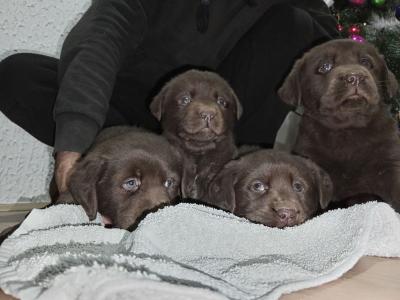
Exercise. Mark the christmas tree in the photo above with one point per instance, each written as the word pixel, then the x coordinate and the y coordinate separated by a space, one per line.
pixel 378 22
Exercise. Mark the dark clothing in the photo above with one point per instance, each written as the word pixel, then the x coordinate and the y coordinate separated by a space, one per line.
pixel 115 58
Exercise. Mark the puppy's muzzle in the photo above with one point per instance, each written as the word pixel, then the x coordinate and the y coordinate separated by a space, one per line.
pixel 357 87
pixel 287 216
pixel 203 121
pixel 207 114
pixel 286 211
pixel 354 79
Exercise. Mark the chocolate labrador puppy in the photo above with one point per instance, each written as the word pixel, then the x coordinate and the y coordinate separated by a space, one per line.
pixel 197 110
pixel 346 126
pixel 271 187
pixel 126 173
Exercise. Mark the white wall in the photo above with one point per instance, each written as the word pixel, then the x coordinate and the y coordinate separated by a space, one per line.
pixel 30 26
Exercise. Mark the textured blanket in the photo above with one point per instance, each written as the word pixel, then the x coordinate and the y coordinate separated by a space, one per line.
pixel 188 251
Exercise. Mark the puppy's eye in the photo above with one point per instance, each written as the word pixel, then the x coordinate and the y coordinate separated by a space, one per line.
pixel 298 187
pixel 325 68
pixel 131 184
pixel 366 62
pixel 221 101
pixel 169 183
pixel 259 187
pixel 186 99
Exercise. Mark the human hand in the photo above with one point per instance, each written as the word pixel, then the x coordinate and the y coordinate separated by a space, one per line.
pixel 65 161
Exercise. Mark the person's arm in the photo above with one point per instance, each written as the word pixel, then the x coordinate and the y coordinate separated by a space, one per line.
pixel 321 13
pixel 90 59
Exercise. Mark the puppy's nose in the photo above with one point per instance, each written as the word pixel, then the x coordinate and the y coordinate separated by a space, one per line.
pixel 207 115
pixel 354 78
pixel 286 214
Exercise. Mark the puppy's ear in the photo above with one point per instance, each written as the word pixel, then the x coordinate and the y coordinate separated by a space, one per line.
pixel 239 108
pixel 83 184
pixel 156 106
pixel 392 85
pixel 290 91
pixel 323 182
pixel 221 191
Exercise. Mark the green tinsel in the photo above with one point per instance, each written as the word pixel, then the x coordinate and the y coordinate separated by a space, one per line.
pixel 387 40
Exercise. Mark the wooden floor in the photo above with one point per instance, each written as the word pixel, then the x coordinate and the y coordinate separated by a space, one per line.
pixel 372 278
pixel 8 219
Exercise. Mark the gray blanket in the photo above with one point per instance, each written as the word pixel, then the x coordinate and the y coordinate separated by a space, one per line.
pixel 188 252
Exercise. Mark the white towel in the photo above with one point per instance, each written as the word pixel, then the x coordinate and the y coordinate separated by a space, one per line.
pixel 188 251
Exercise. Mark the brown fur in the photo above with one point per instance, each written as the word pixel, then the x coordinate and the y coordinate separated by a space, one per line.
pixel 346 127
pixel 295 188
pixel 100 180
pixel 197 110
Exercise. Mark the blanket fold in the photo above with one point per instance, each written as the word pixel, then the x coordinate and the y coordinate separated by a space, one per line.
pixel 188 251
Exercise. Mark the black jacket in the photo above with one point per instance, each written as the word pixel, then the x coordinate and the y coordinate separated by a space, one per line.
pixel 147 38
